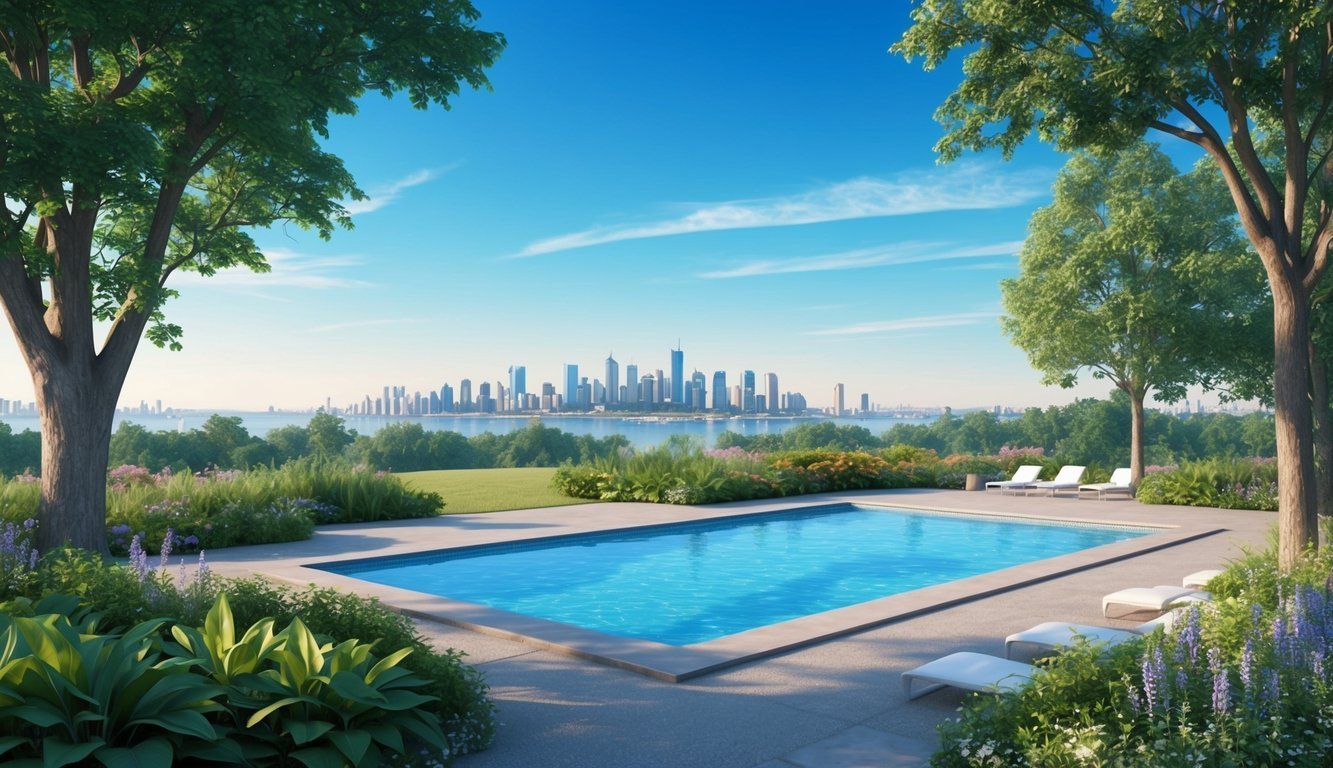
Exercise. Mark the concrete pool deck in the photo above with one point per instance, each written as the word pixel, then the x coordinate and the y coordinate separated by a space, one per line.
pixel 837 702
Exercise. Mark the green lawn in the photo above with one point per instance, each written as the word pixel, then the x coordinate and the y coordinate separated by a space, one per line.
pixel 490 490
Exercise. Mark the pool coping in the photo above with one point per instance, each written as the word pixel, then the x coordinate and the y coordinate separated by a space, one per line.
pixel 680 663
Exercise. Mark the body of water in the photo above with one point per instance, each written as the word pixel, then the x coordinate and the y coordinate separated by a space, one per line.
pixel 642 432
pixel 688 583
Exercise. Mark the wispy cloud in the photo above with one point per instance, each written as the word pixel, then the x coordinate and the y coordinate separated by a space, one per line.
pixel 288 269
pixel 364 324
pixel 863 258
pixel 923 322
pixel 382 196
pixel 954 188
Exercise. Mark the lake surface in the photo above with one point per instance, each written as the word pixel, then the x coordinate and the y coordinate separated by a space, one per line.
pixel 642 433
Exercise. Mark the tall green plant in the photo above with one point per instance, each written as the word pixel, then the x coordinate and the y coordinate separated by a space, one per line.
pixel 66 696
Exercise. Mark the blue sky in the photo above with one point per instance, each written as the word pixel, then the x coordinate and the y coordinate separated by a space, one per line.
pixel 755 181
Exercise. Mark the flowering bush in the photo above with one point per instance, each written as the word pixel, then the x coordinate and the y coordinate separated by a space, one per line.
pixel 1226 483
pixel 18 558
pixel 1245 680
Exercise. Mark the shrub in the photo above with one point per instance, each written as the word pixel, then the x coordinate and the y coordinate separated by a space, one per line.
pixel 1244 680
pixel 468 716
pixel 1227 483
pixel 126 594
pixel 67 695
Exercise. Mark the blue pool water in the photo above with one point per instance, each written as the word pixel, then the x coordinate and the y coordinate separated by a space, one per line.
pixel 691 582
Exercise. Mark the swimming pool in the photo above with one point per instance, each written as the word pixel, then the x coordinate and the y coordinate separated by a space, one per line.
pixel 688 583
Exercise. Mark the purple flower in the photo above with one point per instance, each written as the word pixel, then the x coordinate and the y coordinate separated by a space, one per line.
pixel 1247 665
pixel 1154 666
pixel 191 541
pixel 138 558
pixel 1221 682
pixel 120 530
pixel 166 546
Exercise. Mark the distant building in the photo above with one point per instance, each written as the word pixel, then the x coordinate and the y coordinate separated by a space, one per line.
pixel 771 391
pixel 865 402
pixel 719 390
pixel 631 383
pixel 612 380
pixel 839 397
pixel 747 392
pixel 446 399
pixel 465 395
pixel 648 384
pixel 571 385
pixel 518 386
pixel 698 396
pixel 677 375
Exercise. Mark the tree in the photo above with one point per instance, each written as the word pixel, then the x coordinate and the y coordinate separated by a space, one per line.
pixel 142 139
pixel 1223 76
pixel 328 434
pixel 1137 274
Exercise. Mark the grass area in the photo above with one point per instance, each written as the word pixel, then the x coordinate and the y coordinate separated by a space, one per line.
pixel 490 490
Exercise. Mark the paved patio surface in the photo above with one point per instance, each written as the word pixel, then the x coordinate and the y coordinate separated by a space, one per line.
pixel 835 704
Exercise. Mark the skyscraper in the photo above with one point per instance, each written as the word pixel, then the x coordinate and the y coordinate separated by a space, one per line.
pixel 677 375
pixel 571 385
pixel 612 380
pixel 446 398
pixel 631 383
pixel 771 391
pixel 518 386
pixel 719 390
pixel 838 397
pixel 465 395
pixel 698 392
pixel 865 402
pixel 484 399
pixel 747 392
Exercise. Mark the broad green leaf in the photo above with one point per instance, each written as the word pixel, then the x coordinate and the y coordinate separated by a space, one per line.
pixel 152 753
pixel 387 662
pixel 318 757
pixel 10 742
pixel 349 685
pixel 352 744
pixel 185 722
pixel 306 731
pixel 257 717
pixel 56 752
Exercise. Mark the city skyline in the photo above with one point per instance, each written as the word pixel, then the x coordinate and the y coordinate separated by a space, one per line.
pixel 653 391
pixel 771 195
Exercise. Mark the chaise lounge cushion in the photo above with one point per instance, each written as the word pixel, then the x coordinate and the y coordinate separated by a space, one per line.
pixel 1056 634
pixel 1023 477
pixel 1157 598
pixel 969 671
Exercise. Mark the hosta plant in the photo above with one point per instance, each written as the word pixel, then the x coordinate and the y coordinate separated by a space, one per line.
pixel 67 696
pixel 317 704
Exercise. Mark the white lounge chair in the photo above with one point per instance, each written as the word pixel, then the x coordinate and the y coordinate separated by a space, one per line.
pixel 1056 634
pixel 970 671
pixel 1067 479
pixel 1023 478
pixel 1119 483
pixel 1158 598
pixel 1200 579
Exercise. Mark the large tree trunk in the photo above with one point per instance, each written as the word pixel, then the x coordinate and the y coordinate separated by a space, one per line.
pixel 1135 437
pixel 1323 433
pixel 76 415
pixel 1297 524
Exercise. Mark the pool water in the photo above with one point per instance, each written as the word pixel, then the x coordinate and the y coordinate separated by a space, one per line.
pixel 688 583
